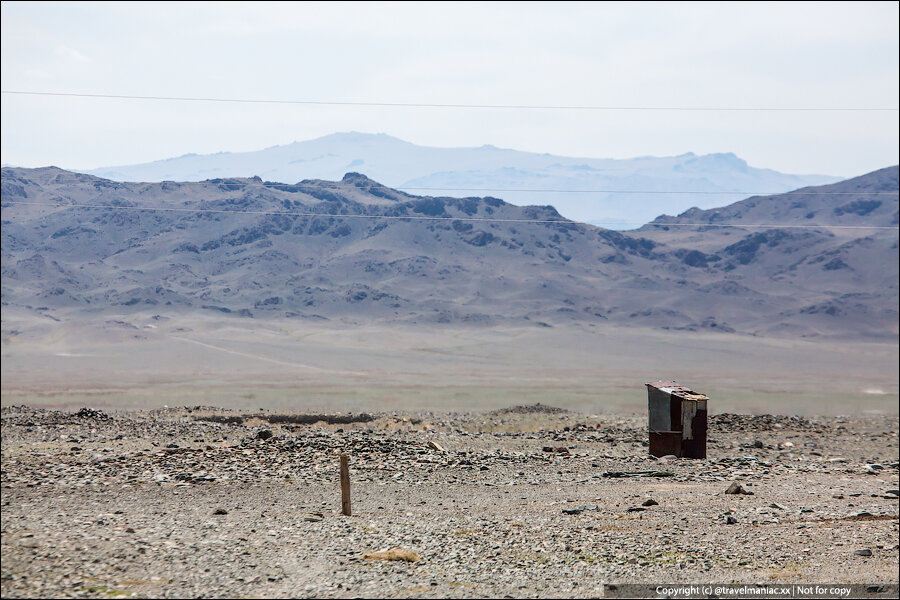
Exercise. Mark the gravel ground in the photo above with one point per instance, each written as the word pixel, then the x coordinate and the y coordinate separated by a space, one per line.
pixel 529 501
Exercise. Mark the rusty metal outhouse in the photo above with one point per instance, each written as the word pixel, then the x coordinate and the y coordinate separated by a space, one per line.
pixel 677 420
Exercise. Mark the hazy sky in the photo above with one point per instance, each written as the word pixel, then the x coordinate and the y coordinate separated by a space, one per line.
pixel 773 54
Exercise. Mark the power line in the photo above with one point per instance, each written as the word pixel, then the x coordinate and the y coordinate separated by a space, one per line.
pixel 448 105
pixel 427 218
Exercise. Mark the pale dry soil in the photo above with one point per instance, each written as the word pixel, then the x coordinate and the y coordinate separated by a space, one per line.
pixel 103 506
pixel 135 361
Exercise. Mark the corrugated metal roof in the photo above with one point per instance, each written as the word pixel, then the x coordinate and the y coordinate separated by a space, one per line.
pixel 675 389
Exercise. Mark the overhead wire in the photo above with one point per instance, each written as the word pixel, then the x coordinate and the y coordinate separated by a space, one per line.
pixel 320 185
pixel 451 105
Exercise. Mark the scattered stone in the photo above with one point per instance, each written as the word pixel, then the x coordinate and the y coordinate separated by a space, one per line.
pixel 636 509
pixel 431 501
pixel 264 434
pixel 863 552
pixel 734 422
pixel 92 414
pixel 558 449
pixel 536 408
pixel 435 446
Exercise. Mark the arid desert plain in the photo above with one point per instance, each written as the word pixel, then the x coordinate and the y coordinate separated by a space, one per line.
pixel 503 462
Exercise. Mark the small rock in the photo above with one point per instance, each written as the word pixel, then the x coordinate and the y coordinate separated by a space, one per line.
pixel 735 488
pixel 220 511
pixel 729 520
pixel 636 509
pixel 264 434
pixel 757 444
pixel 314 517
pixel 649 502
pixel 863 552
pixel 435 446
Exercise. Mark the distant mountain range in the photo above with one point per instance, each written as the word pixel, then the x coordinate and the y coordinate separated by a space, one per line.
pixel 356 251
pixel 687 180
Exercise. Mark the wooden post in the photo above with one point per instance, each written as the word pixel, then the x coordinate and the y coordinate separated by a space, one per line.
pixel 345 485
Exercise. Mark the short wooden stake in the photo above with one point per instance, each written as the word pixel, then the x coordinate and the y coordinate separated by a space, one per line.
pixel 345 485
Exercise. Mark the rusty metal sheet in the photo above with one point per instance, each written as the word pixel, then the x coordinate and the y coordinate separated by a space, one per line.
pixel 695 447
pixel 664 443
pixel 676 389
pixel 675 414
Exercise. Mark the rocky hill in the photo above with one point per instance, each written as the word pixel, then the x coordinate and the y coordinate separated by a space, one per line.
pixel 357 251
